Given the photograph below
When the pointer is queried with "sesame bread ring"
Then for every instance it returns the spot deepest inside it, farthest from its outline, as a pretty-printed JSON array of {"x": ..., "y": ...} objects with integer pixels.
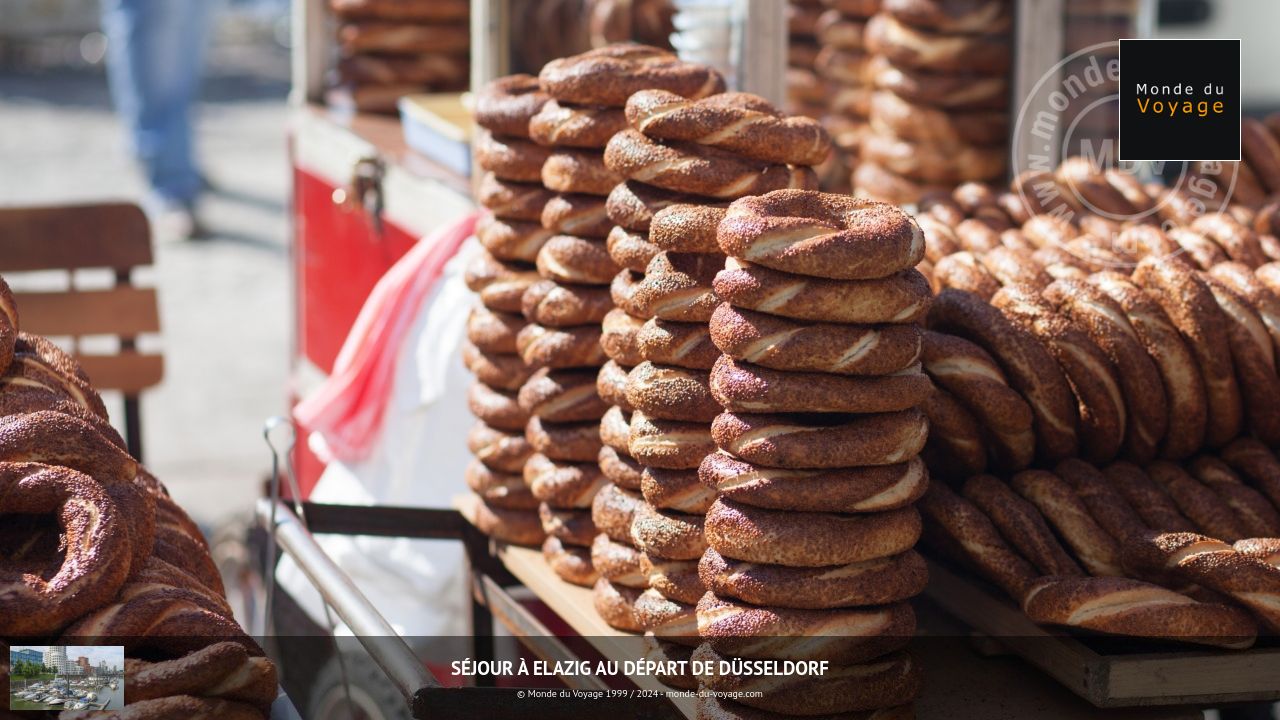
[
  {"x": 678, "y": 490},
  {"x": 519, "y": 527},
  {"x": 1241, "y": 279},
  {"x": 663, "y": 652},
  {"x": 1030, "y": 368},
  {"x": 671, "y": 393},
  {"x": 620, "y": 339},
  {"x": 744, "y": 388},
  {"x": 1255, "y": 515},
  {"x": 958, "y": 523},
  {"x": 668, "y": 534},
  {"x": 956, "y": 446},
  {"x": 740, "y": 123},
  {"x": 615, "y": 604},
  {"x": 669, "y": 444},
  {"x": 1261, "y": 150},
  {"x": 539, "y": 346},
  {"x": 782, "y": 344},
  {"x": 512, "y": 200},
  {"x": 926, "y": 162},
  {"x": 834, "y": 29},
  {"x": 554, "y": 305},
  {"x": 1016, "y": 267},
  {"x": 1269, "y": 275},
  {"x": 667, "y": 619},
  {"x": 1082, "y": 177},
  {"x": 395, "y": 10},
  {"x": 1265, "y": 549},
  {"x": 562, "y": 395},
  {"x": 1191, "y": 307},
  {"x": 1106, "y": 504},
  {"x": 611, "y": 74},
  {"x": 618, "y": 563},
  {"x": 496, "y": 408},
  {"x": 563, "y": 485},
  {"x": 94, "y": 542},
  {"x": 972, "y": 376},
  {"x": 679, "y": 344},
  {"x": 1196, "y": 249},
  {"x": 1179, "y": 372},
  {"x": 377, "y": 36},
  {"x": 1096, "y": 550},
  {"x": 630, "y": 250},
  {"x": 1105, "y": 322},
  {"x": 1256, "y": 463},
  {"x": 612, "y": 510},
  {"x": 1093, "y": 378},
  {"x": 844, "y": 692},
  {"x": 841, "y": 66},
  {"x": 977, "y": 236},
  {"x": 1239, "y": 242},
  {"x": 511, "y": 240},
  {"x": 963, "y": 271},
  {"x": 577, "y": 126},
  {"x": 500, "y": 285},
  {"x": 571, "y": 562},
  {"x": 845, "y": 490},
  {"x": 1133, "y": 608},
  {"x": 494, "y": 331},
  {"x": 698, "y": 169},
  {"x": 1147, "y": 498},
  {"x": 580, "y": 215},
  {"x": 570, "y": 527},
  {"x": 502, "y": 372},
  {"x": 568, "y": 442},
  {"x": 503, "y": 451},
  {"x": 835, "y": 441},
  {"x": 1021, "y": 524},
  {"x": 821, "y": 235},
  {"x": 874, "y": 181},
  {"x": 615, "y": 432},
  {"x": 872, "y": 582},
  {"x": 687, "y": 228},
  {"x": 901, "y": 297},
  {"x": 621, "y": 469},
  {"x": 623, "y": 286},
  {"x": 913, "y": 46},
  {"x": 1254, "y": 359},
  {"x": 632, "y": 204},
  {"x": 677, "y": 286},
  {"x": 506, "y": 105},
  {"x": 569, "y": 170},
  {"x": 499, "y": 489},
  {"x": 674, "y": 579},
  {"x": 224, "y": 670},
  {"x": 839, "y": 636},
  {"x": 509, "y": 158},
  {"x": 939, "y": 239},
  {"x": 984, "y": 17},
  {"x": 575, "y": 260},
  {"x": 753, "y": 534},
  {"x": 939, "y": 89},
  {"x": 893, "y": 115}
]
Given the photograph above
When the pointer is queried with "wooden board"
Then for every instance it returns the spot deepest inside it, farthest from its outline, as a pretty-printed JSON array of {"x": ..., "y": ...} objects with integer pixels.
[{"x": 1176, "y": 677}]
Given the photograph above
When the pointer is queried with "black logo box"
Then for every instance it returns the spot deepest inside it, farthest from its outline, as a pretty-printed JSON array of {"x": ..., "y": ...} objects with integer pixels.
[{"x": 1186, "y": 69}]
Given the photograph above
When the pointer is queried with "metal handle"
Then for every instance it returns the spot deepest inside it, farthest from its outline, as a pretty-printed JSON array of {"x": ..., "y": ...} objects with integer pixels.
[{"x": 380, "y": 640}]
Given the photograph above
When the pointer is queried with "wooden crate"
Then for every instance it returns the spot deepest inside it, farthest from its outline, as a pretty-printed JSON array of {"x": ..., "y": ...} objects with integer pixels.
[{"x": 1100, "y": 670}]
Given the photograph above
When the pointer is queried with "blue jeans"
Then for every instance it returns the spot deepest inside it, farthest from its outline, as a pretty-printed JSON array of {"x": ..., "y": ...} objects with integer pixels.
[{"x": 155, "y": 54}]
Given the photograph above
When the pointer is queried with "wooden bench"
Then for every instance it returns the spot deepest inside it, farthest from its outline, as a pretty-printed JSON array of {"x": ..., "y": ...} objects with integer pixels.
[{"x": 113, "y": 236}]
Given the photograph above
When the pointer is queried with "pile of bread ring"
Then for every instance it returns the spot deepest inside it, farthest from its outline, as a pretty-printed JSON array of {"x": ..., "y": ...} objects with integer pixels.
[
  {"x": 392, "y": 48},
  {"x": 94, "y": 551},
  {"x": 939, "y": 113}
]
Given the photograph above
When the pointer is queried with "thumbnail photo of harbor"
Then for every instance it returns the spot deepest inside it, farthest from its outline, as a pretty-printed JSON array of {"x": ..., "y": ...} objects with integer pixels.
[{"x": 66, "y": 677}]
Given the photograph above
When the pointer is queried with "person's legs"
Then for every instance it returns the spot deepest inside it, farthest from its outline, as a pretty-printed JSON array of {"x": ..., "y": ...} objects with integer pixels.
[{"x": 155, "y": 57}]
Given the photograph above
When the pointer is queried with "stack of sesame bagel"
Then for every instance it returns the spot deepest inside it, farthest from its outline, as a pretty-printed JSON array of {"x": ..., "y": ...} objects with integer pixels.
[
  {"x": 93, "y": 550},
  {"x": 843, "y": 63},
  {"x": 810, "y": 539},
  {"x": 939, "y": 113}
]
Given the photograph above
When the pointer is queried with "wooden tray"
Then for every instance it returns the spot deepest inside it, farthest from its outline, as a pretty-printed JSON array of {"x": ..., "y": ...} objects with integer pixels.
[{"x": 1106, "y": 678}]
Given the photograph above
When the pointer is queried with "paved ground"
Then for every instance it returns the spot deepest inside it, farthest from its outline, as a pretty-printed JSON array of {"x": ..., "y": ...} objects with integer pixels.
[{"x": 224, "y": 301}]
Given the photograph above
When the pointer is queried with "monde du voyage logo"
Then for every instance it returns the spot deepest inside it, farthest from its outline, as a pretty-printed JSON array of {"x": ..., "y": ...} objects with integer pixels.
[{"x": 1180, "y": 100}]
